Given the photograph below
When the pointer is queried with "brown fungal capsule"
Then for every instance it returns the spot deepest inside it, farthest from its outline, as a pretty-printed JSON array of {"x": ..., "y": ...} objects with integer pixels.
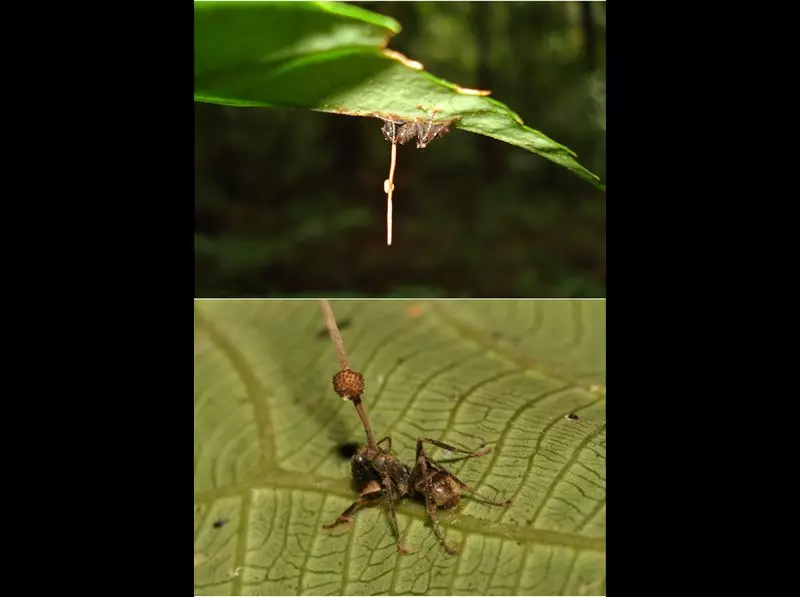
[{"x": 348, "y": 384}]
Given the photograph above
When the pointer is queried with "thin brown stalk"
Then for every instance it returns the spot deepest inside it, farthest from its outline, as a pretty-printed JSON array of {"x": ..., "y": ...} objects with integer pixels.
[
  {"x": 362, "y": 414},
  {"x": 336, "y": 337},
  {"x": 333, "y": 330}
]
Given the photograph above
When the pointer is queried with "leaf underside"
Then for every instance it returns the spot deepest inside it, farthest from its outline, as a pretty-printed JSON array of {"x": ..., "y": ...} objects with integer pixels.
[
  {"x": 331, "y": 57},
  {"x": 268, "y": 428}
]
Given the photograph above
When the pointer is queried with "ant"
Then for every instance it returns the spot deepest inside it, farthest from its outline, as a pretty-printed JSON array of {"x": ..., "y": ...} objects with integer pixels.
[
  {"x": 380, "y": 476},
  {"x": 401, "y": 131}
]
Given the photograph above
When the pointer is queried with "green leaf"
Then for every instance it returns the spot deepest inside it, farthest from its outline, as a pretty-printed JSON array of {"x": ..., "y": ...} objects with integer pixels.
[
  {"x": 268, "y": 426},
  {"x": 332, "y": 57}
]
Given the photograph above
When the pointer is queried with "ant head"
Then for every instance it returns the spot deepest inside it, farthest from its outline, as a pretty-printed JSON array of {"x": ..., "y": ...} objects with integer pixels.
[{"x": 362, "y": 468}]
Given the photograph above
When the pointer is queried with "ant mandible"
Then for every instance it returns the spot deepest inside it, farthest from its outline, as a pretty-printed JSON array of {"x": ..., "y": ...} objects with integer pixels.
[{"x": 380, "y": 476}]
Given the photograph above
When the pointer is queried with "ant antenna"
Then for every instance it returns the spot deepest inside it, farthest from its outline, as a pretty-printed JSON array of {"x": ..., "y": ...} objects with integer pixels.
[{"x": 347, "y": 383}]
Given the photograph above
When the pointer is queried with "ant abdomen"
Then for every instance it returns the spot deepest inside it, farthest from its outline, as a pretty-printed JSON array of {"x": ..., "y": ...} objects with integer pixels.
[{"x": 444, "y": 490}]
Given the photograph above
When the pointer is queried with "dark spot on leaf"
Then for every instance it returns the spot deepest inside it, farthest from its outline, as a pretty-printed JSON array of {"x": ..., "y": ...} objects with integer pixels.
[
  {"x": 573, "y": 417},
  {"x": 497, "y": 335},
  {"x": 347, "y": 450},
  {"x": 219, "y": 523}
]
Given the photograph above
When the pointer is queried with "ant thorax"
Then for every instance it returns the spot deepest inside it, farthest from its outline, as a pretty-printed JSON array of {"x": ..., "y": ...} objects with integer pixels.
[{"x": 368, "y": 465}]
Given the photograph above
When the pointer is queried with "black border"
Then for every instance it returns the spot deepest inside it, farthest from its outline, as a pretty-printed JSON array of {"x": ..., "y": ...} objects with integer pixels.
[
  {"x": 113, "y": 371},
  {"x": 120, "y": 207},
  {"x": 683, "y": 208}
]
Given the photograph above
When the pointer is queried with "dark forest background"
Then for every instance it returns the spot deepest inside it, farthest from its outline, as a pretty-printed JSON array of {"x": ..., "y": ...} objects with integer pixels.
[{"x": 291, "y": 203}]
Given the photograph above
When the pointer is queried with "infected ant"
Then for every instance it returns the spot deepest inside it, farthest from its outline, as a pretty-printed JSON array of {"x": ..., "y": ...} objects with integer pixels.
[
  {"x": 398, "y": 131},
  {"x": 380, "y": 476},
  {"x": 402, "y": 131}
]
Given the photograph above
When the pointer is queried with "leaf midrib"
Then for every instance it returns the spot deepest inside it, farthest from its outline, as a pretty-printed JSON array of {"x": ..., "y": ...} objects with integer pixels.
[{"x": 325, "y": 486}]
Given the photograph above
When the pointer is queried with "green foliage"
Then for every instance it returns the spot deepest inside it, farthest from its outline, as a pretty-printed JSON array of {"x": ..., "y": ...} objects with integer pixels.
[
  {"x": 290, "y": 203},
  {"x": 331, "y": 57},
  {"x": 268, "y": 426}
]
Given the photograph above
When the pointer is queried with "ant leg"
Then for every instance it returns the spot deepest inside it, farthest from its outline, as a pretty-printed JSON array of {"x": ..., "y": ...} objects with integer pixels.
[
  {"x": 424, "y": 134},
  {"x": 477, "y": 454},
  {"x": 436, "y": 526},
  {"x": 422, "y": 463},
  {"x": 434, "y": 111},
  {"x": 406, "y": 132},
  {"x": 483, "y": 451},
  {"x": 347, "y": 516},
  {"x": 388, "y": 130},
  {"x": 390, "y": 497}
]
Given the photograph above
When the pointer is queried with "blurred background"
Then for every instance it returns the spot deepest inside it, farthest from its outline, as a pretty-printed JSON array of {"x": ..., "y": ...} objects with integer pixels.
[{"x": 291, "y": 203}]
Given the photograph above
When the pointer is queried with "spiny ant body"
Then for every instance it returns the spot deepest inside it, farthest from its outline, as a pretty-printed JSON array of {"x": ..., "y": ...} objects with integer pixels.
[
  {"x": 380, "y": 476},
  {"x": 402, "y": 131},
  {"x": 399, "y": 131}
]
